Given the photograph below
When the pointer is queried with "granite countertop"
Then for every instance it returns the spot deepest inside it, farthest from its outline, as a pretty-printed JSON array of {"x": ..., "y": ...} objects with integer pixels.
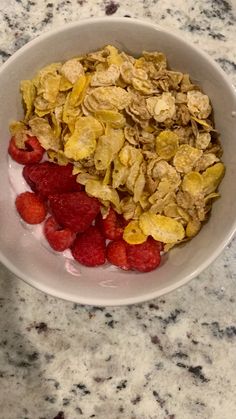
[{"x": 171, "y": 358}]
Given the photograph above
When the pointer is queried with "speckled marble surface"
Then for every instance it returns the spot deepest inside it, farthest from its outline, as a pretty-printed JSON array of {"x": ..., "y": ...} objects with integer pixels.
[{"x": 171, "y": 358}]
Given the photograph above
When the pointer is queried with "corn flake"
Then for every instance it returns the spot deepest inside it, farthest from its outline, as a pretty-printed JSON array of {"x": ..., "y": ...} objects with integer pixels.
[
  {"x": 81, "y": 144},
  {"x": 167, "y": 144},
  {"x": 58, "y": 157},
  {"x": 70, "y": 113},
  {"x": 129, "y": 208},
  {"x": 162, "y": 107},
  {"x": 45, "y": 133},
  {"x": 19, "y": 131},
  {"x": 77, "y": 91},
  {"x": 171, "y": 210},
  {"x": 193, "y": 228},
  {"x": 133, "y": 233},
  {"x": 65, "y": 84},
  {"x": 51, "y": 83},
  {"x": 192, "y": 183},
  {"x": 113, "y": 118},
  {"x": 132, "y": 176},
  {"x": 119, "y": 173},
  {"x": 186, "y": 157},
  {"x": 110, "y": 97},
  {"x": 198, "y": 104},
  {"x": 158, "y": 58},
  {"x": 127, "y": 71},
  {"x": 139, "y": 186},
  {"x": 114, "y": 57},
  {"x": 130, "y": 155},
  {"x": 72, "y": 70},
  {"x": 161, "y": 228},
  {"x": 29, "y": 94},
  {"x": 106, "y": 77},
  {"x": 84, "y": 177},
  {"x": 212, "y": 177},
  {"x": 204, "y": 123},
  {"x": 107, "y": 193},
  {"x": 92, "y": 123},
  {"x": 144, "y": 86},
  {"x": 203, "y": 140},
  {"x": 206, "y": 160},
  {"x": 107, "y": 148}
]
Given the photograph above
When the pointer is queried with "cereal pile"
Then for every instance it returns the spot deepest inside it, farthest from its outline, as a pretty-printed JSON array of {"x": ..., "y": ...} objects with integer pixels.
[{"x": 140, "y": 137}]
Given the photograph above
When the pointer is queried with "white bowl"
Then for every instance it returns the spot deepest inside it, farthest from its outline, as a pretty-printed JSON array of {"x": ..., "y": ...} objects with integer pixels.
[{"x": 26, "y": 255}]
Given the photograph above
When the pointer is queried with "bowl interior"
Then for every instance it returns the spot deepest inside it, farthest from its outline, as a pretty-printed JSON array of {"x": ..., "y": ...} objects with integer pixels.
[{"x": 29, "y": 257}]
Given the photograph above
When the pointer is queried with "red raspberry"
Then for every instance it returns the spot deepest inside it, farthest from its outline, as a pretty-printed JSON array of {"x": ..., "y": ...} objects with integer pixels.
[
  {"x": 33, "y": 173},
  {"x": 113, "y": 225},
  {"x": 89, "y": 248},
  {"x": 31, "y": 208},
  {"x": 47, "y": 178},
  {"x": 145, "y": 256},
  {"x": 117, "y": 255},
  {"x": 75, "y": 210},
  {"x": 58, "y": 238},
  {"x": 26, "y": 174},
  {"x": 32, "y": 154}
]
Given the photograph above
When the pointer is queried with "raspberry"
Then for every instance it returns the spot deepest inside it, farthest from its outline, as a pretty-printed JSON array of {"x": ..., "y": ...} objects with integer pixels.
[
  {"x": 33, "y": 173},
  {"x": 113, "y": 225},
  {"x": 89, "y": 248},
  {"x": 58, "y": 238},
  {"x": 32, "y": 154},
  {"x": 116, "y": 254},
  {"x": 75, "y": 210},
  {"x": 31, "y": 208},
  {"x": 26, "y": 174},
  {"x": 47, "y": 178},
  {"x": 144, "y": 257}
]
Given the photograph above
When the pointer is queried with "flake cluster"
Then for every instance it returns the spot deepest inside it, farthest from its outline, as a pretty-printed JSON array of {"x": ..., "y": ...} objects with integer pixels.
[{"x": 139, "y": 135}]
